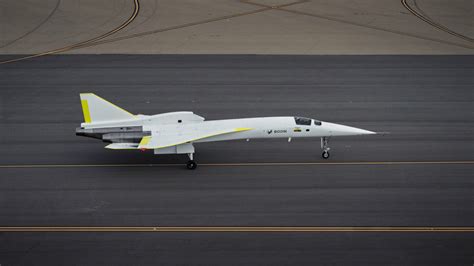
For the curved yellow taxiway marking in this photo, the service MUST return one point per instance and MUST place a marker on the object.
(83, 43)
(434, 24)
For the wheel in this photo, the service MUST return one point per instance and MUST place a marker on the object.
(325, 154)
(191, 165)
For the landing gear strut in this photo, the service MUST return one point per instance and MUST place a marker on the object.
(191, 164)
(325, 147)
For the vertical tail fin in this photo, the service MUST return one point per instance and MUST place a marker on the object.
(97, 109)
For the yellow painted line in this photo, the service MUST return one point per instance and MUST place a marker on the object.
(82, 44)
(239, 164)
(242, 229)
(341, 163)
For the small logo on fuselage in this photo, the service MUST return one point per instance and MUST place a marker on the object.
(276, 131)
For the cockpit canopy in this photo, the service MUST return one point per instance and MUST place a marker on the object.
(304, 121)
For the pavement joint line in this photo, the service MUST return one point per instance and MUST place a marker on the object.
(244, 229)
(304, 13)
(361, 163)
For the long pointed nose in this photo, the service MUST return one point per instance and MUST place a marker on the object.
(342, 130)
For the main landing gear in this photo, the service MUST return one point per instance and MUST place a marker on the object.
(191, 164)
(325, 147)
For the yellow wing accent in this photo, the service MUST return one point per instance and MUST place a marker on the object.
(145, 140)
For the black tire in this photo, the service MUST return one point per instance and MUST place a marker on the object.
(325, 155)
(191, 165)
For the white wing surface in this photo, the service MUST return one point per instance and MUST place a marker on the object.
(168, 140)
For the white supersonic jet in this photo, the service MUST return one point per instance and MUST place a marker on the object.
(175, 132)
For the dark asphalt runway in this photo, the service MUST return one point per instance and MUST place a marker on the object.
(425, 102)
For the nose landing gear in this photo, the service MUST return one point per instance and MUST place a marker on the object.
(191, 164)
(325, 147)
(325, 155)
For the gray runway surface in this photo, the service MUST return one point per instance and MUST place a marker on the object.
(425, 102)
